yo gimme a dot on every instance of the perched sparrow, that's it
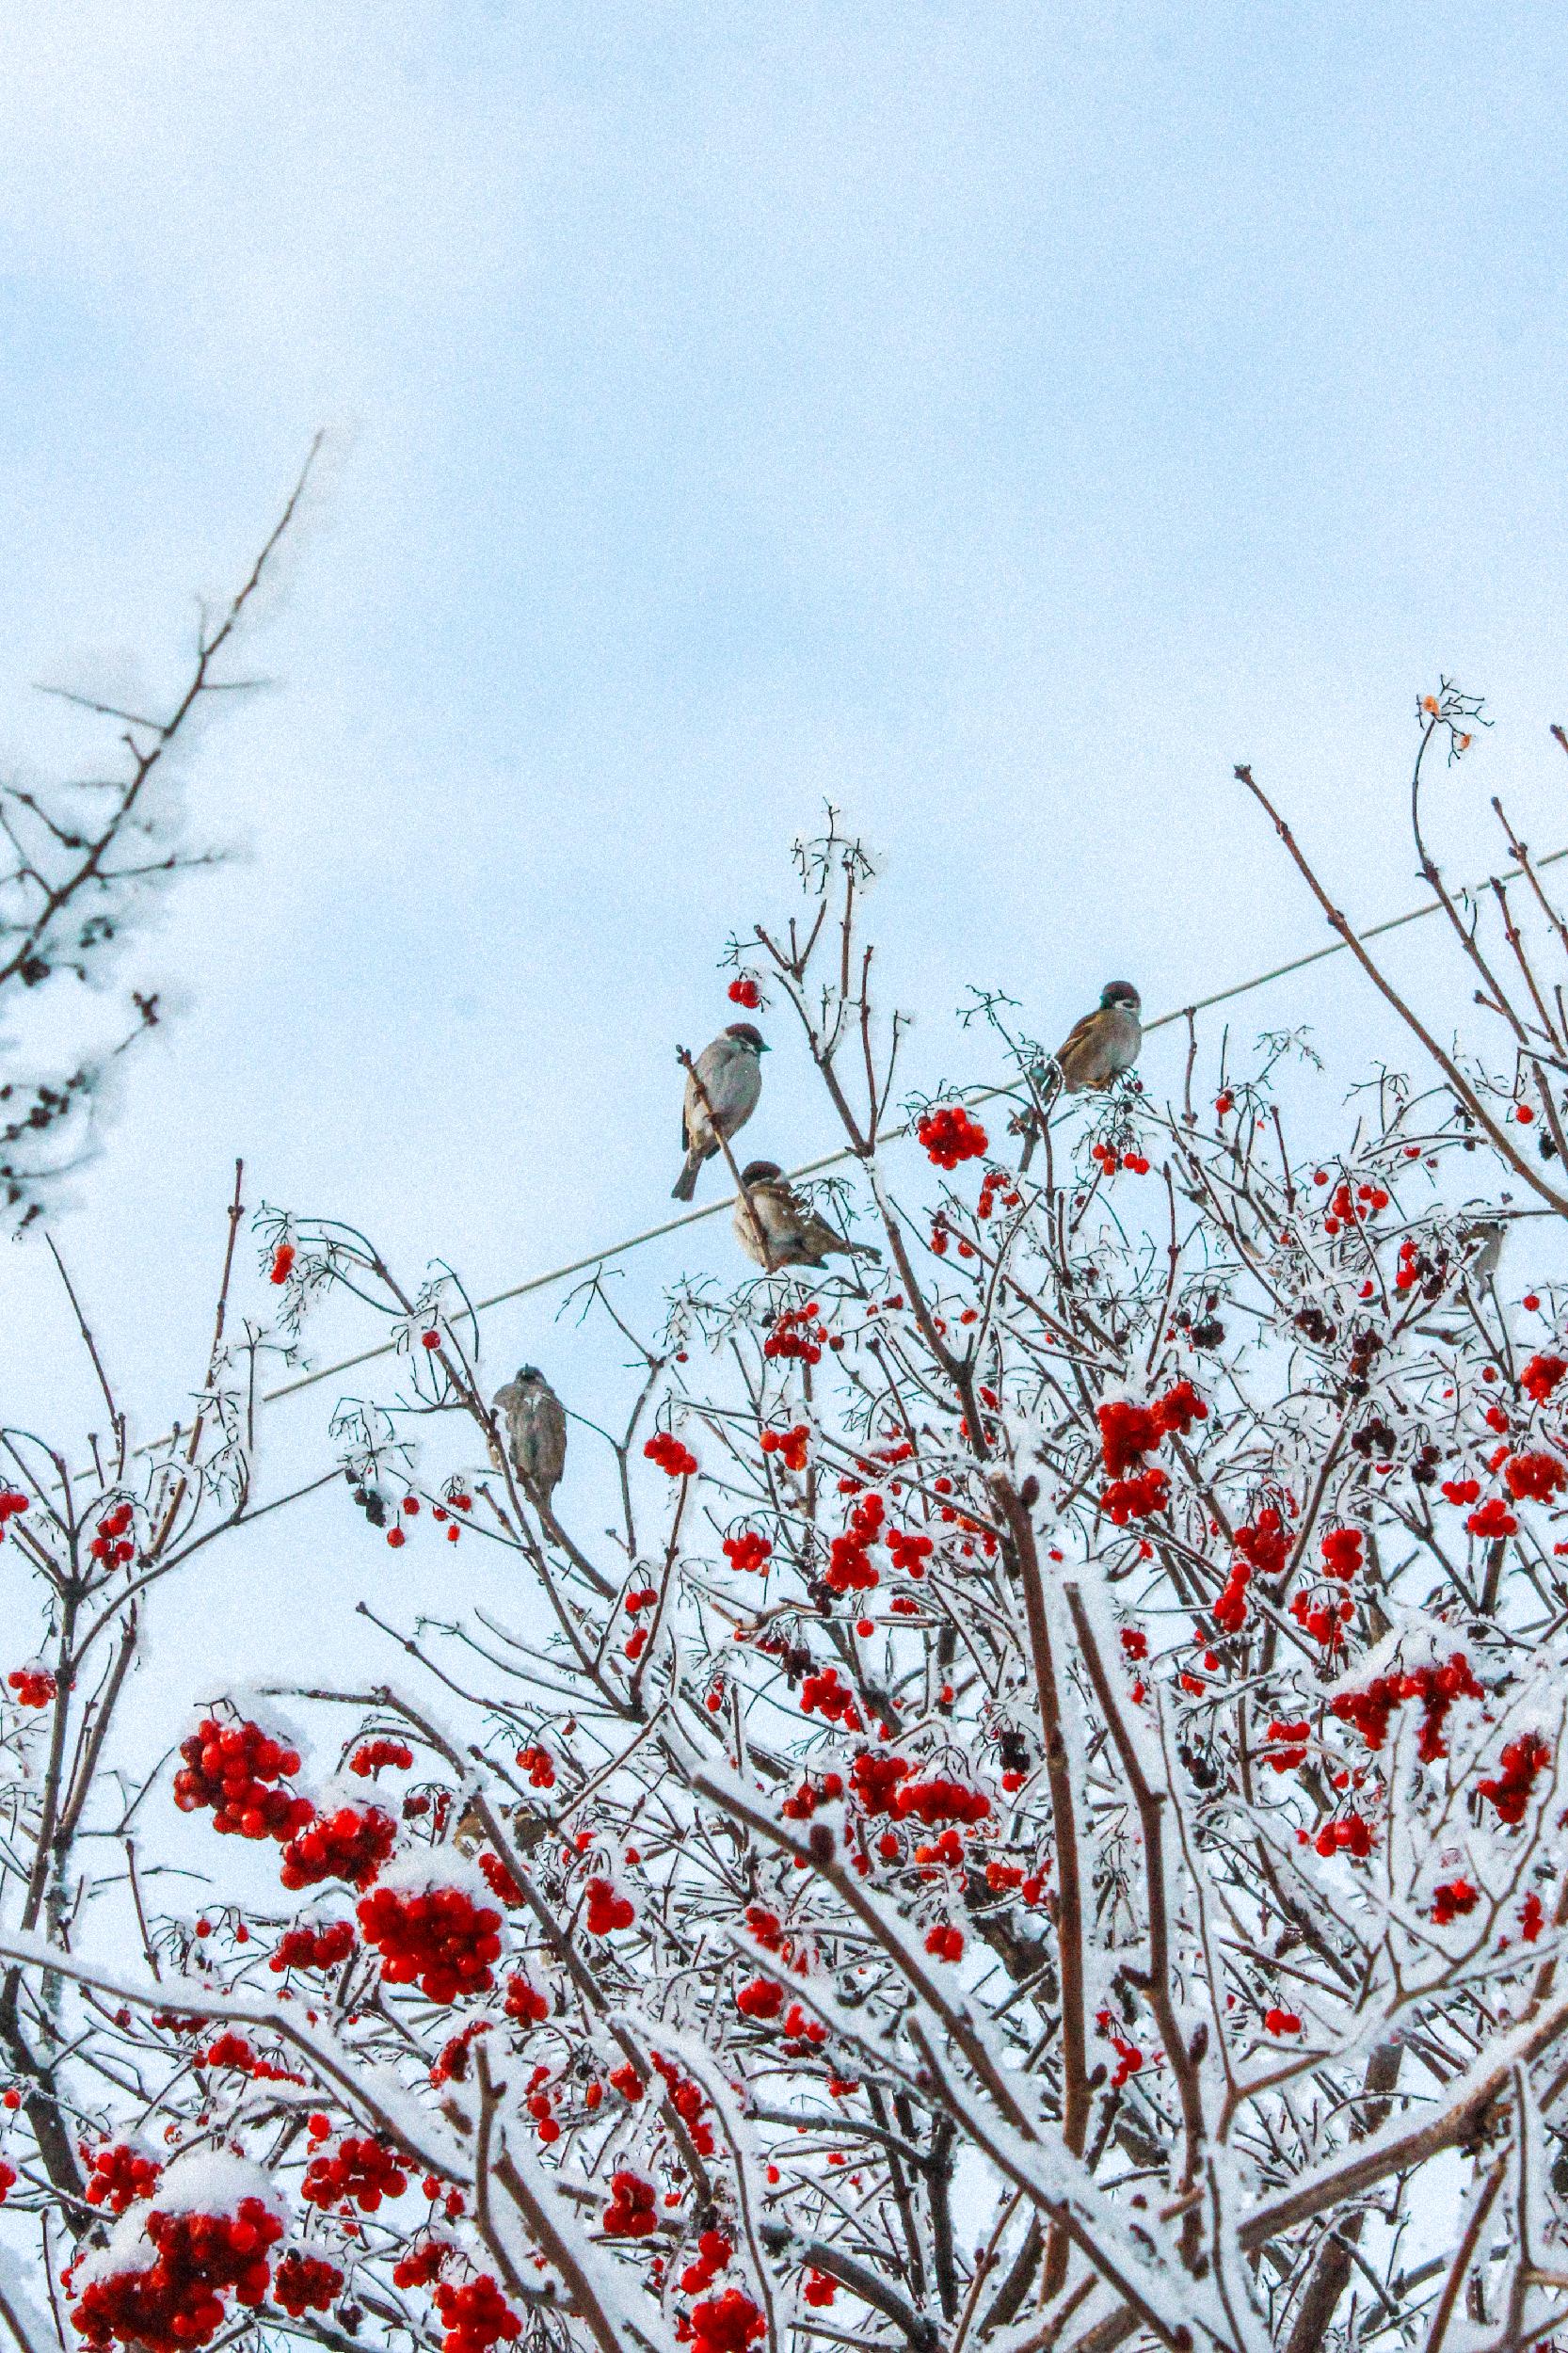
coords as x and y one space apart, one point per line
1105 1043
1485 1242
792 1234
525 1828
536 1424
731 1078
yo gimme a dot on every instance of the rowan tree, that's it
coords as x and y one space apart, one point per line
1040 1824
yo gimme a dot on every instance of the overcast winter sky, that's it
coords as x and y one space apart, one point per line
999 417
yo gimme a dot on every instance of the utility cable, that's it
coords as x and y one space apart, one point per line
835 1160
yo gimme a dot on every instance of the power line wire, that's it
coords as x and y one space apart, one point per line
833 1160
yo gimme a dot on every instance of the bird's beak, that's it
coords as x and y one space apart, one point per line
764 1048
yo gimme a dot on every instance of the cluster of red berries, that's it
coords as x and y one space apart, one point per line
1137 1498
1493 1521
802 2033
1452 1900
305 2284
536 1762
819 2288
1538 1380
372 1754
849 1564
348 1845
725 2324
1348 1209
806 1798
425 2260
11 1503
762 1998
1110 1159
1437 1688
1129 1432
1341 1551
1509 1789
607 1910
1265 1542
940 1800
1282 2022
499 1881
235 1768
791 1444
1322 1621
1351 1834
524 2002
437 1937
312 1949
632 2211
34 1687
797 1332
713 2252
745 991
994 1186
747 1550
946 1943
177 2302
111 1544
359 2170
1293 1753
909 1553
824 1694
476 2314
120 2176
876 1777
951 1136
282 1262
1534 1478
232 2051
687 2101
675 1460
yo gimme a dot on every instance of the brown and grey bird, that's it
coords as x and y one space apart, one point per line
792 1234
1097 1049
730 1077
535 1421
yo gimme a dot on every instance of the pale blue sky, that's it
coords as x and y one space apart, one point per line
1002 418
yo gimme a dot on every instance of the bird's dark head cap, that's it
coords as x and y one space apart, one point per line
528 1372
1121 993
760 1172
748 1034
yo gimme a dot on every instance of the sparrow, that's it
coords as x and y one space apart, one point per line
1105 1043
731 1079
536 1424
792 1233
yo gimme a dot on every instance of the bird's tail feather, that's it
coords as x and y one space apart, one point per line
685 1187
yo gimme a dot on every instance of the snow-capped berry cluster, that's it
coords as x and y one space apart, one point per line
431 1934
1370 1706
120 2174
352 1843
237 1770
164 2290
